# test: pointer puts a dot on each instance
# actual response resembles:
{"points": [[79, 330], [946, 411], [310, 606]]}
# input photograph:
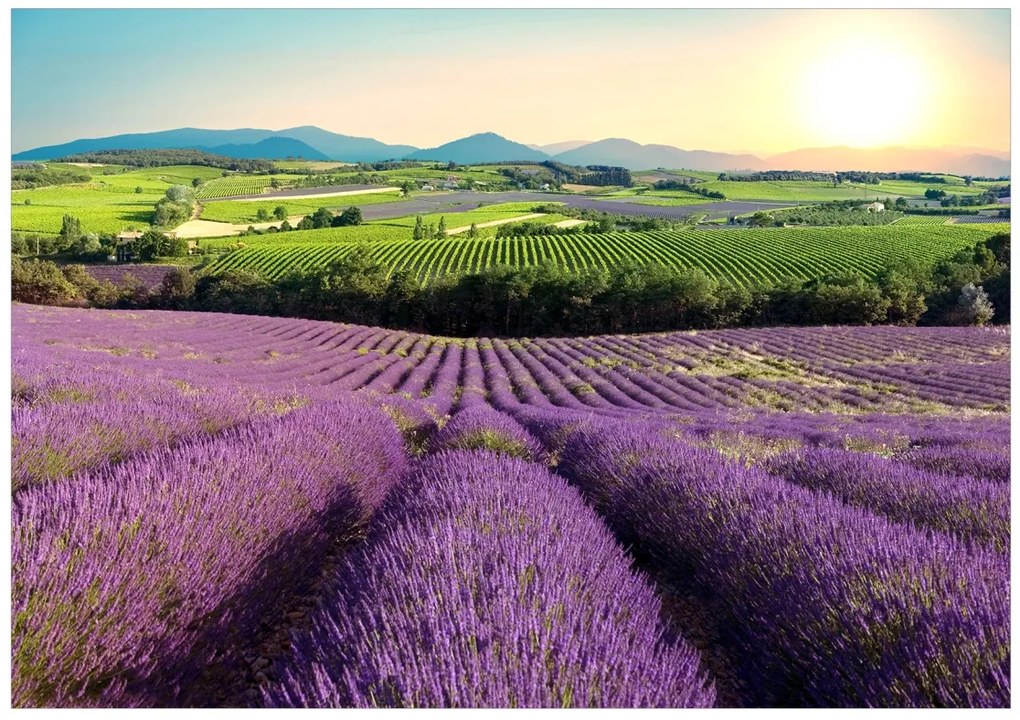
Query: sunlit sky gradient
{"points": [[762, 81]]}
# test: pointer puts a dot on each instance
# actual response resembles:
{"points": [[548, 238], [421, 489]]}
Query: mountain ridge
{"points": [[479, 148], [315, 143]]}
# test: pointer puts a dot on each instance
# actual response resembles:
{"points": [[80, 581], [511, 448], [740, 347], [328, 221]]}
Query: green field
{"points": [[743, 256], [107, 204], [367, 233], [484, 214], [822, 191], [922, 220], [243, 211], [232, 185]]}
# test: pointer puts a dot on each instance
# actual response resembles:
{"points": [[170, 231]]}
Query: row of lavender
{"points": [[891, 608], [72, 370], [143, 582], [844, 370]]}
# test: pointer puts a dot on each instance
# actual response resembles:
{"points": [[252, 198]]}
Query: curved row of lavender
{"points": [[971, 509], [830, 604], [840, 370], [481, 427], [127, 582], [489, 583]]}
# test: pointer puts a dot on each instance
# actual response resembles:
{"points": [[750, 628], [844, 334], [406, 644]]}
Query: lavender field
{"points": [[225, 510]]}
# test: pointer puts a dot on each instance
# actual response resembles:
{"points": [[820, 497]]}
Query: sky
{"points": [[759, 81]]}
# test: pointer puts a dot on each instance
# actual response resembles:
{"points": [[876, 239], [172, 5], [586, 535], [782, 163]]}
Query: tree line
{"points": [[690, 187], [970, 288], [172, 156], [39, 175]]}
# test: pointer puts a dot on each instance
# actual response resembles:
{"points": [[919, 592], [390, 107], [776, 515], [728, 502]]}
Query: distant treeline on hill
{"points": [[854, 176], [26, 178], [556, 174], [972, 288], [176, 156]]}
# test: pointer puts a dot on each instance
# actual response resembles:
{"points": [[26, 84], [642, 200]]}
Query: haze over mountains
{"points": [[313, 143]]}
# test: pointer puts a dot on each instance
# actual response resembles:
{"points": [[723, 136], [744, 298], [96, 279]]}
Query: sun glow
{"points": [[864, 95]]}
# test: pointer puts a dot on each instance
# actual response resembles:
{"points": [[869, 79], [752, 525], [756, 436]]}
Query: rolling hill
{"points": [[629, 154], [314, 143], [480, 148], [327, 145], [272, 147]]}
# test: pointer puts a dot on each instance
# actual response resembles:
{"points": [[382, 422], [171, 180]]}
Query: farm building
{"points": [[126, 245], [874, 207]]}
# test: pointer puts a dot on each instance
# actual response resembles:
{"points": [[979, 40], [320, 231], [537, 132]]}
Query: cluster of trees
{"points": [[320, 219], [860, 177], [72, 241], [690, 187], [153, 244], [392, 165], [534, 229], [988, 197], [279, 213], [428, 231], [174, 208], [45, 283], [38, 175], [970, 288], [939, 211], [176, 156], [842, 212], [534, 177], [325, 218], [312, 180], [603, 175]]}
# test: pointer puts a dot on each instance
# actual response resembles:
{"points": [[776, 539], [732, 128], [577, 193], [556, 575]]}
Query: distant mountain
{"points": [[272, 148], [480, 148], [891, 159], [315, 143], [179, 138], [560, 147], [346, 147], [634, 156], [328, 145]]}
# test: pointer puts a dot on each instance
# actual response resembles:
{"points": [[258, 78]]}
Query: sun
{"points": [[864, 95]]}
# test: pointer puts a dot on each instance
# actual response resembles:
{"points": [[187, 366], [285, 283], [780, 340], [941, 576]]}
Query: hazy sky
{"points": [[761, 81]]}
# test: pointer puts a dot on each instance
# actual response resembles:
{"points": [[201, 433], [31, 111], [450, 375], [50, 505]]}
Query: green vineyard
{"points": [[240, 211], [232, 186], [923, 220], [743, 256]]}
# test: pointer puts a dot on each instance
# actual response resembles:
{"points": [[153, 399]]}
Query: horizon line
{"points": [[757, 154]]}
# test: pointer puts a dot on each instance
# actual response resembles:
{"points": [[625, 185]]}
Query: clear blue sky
{"points": [[685, 77]]}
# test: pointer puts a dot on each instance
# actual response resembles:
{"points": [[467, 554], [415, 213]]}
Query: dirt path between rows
{"points": [[493, 223]]}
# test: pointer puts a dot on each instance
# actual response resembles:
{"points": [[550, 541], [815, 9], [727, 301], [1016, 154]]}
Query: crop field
{"points": [[923, 220], [107, 204], [804, 190], [743, 255], [220, 510], [318, 239], [230, 186], [100, 209], [235, 211], [486, 213], [668, 200]]}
